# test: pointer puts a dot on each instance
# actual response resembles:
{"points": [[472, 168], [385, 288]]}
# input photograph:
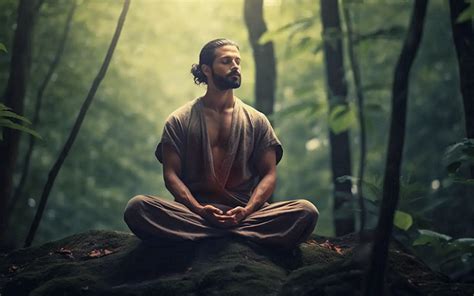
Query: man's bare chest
{"points": [[218, 127]]}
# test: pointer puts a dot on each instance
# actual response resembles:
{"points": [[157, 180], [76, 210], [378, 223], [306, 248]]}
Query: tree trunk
{"points": [[264, 56], [344, 221], [36, 116], [13, 97], [463, 35], [77, 125], [360, 108], [391, 182]]}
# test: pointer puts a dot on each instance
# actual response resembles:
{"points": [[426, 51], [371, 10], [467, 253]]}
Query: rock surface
{"points": [[117, 263]]}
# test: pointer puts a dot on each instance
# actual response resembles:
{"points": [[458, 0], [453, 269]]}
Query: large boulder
{"points": [[117, 263]]}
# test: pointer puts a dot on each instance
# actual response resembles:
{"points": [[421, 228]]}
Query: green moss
{"points": [[225, 266]]}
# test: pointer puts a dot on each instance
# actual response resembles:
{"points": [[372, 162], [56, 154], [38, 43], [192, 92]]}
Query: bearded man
{"points": [[219, 159]]}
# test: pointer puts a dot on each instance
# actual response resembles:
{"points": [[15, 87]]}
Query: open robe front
{"points": [[251, 134]]}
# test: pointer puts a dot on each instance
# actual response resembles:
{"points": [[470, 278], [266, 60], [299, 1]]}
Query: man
{"points": [[219, 160]]}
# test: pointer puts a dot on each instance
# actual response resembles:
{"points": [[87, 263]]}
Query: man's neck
{"points": [[218, 100]]}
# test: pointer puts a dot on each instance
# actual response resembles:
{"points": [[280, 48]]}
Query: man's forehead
{"points": [[227, 50]]}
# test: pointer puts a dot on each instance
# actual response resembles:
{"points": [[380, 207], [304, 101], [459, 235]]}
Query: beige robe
{"points": [[250, 134]]}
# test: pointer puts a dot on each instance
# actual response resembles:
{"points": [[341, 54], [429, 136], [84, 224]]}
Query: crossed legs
{"points": [[285, 223]]}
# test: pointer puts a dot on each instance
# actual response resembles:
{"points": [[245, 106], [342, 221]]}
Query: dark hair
{"points": [[207, 56]]}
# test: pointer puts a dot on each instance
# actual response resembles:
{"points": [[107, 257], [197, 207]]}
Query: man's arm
{"points": [[171, 174], [266, 167]]}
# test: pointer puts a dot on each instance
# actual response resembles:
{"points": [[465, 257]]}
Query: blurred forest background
{"points": [[113, 156]]}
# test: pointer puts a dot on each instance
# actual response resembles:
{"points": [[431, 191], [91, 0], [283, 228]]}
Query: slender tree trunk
{"points": [[77, 125], [337, 94], [264, 56], [14, 98], [360, 108], [391, 184], [463, 35], [36, 116]]}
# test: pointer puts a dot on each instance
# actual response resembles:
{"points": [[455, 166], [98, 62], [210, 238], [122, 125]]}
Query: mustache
{"points": [[234, 73]]}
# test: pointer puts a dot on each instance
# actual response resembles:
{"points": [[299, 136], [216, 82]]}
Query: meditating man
{"points": [[219, 160]]}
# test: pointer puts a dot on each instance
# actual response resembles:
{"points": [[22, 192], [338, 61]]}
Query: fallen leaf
{"points": [[12, 268], [97, 253], [332, 247], [94, 254], [65, 252]]}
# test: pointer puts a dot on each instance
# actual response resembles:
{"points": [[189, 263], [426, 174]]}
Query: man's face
{"points": [[226, 68]]}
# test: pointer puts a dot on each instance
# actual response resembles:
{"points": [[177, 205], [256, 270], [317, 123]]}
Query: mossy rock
{"points": [[117, 263]]}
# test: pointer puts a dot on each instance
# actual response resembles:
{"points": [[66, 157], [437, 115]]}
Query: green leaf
{"points": [[3, 107], [5, 123], [463, 181], [430, 237], [10, 114], [467, 14], [403, 220], [341, 118], [3, 48]]}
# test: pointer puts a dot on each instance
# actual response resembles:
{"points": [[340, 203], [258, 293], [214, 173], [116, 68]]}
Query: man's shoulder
{"points": [[251, 112], [183, 113]]}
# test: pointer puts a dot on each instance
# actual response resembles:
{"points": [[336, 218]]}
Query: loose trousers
{"points": [[284, 224]]}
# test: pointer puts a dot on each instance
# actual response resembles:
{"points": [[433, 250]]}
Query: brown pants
{"points": [[284, 224]]}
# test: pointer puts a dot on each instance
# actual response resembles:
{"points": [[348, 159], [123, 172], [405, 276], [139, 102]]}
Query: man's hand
{"points": [[216, 217], [238, 214]]}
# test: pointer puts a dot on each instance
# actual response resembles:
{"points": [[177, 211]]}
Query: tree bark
{"points": [[36, 116], [360, 108], [463, 37], [337, 94], [14, 98], [264, 57], [77, 125], [391, 183]]}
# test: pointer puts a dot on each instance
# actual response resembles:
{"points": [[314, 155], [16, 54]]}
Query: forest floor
{"points": [[117, 263]]}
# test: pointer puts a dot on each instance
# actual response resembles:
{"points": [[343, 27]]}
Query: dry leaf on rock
{"points": [[97, 253], [65, 252], [331, 246]]}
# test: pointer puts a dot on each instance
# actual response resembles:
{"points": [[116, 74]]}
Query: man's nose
{"points": [[235, 65]]}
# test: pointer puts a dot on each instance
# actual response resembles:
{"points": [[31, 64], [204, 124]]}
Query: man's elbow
{"points": [[170, 179]]}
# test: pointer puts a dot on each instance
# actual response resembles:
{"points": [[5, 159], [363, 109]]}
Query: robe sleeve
{"points": [[173, 135], [267, 138]]}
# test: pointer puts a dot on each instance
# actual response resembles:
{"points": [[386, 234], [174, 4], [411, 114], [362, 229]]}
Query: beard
{"points": [[226, 82]]}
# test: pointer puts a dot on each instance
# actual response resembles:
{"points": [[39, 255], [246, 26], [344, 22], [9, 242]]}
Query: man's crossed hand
{"points": [[220, 219]]}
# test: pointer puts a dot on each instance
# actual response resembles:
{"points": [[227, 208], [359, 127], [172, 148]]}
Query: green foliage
{"points": [[342, 117], [430, 237], [453, 257], [2, 47], [457, 156], [402, 220], [467, 14], [6, 113]]}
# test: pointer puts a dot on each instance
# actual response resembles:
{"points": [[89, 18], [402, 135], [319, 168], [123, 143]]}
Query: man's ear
{"points": [[207, 71]]}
